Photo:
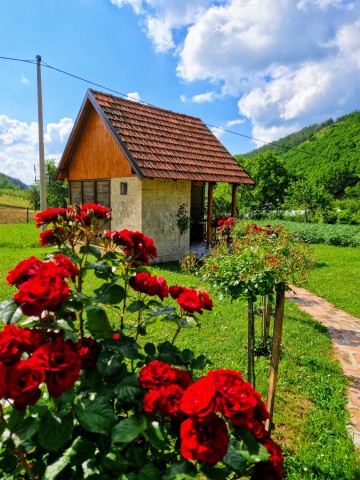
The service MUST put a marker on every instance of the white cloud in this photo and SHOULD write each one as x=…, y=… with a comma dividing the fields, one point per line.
x=135, y=4
x=204, y=97
x=24, y=80
x=232, y=123
x=289, y=63
x=183, y=98
x=19, y=145
x=161, y=17
x=135, y=96
x=218, y=132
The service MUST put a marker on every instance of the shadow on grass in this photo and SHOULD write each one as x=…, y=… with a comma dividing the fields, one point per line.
x=321, y=265
x=168, y=266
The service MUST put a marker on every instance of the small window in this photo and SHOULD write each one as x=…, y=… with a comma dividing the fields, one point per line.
x=123, y=188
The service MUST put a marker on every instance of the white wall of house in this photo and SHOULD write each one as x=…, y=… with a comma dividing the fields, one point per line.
x=150, y=206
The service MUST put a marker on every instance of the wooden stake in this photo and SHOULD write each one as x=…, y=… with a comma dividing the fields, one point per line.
x=266, y=316
x=210, y=214
x=251, y=341
x=275, y=355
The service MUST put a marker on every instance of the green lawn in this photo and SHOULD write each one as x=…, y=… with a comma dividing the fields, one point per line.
x=310, y=415
x=336, y=276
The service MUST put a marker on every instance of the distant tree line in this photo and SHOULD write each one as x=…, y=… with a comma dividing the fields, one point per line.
x=317, y=173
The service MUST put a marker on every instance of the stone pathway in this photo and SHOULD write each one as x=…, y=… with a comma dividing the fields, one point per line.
x=344, y=330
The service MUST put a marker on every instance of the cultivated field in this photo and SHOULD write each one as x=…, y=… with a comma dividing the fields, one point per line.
x=12, y=215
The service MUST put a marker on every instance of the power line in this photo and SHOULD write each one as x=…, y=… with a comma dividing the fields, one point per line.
x=151, y=105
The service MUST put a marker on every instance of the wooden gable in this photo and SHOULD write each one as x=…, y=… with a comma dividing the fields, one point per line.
x=96, y=153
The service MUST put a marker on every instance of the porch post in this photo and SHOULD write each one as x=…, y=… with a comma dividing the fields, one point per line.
x=233, y=200
x=209, y=213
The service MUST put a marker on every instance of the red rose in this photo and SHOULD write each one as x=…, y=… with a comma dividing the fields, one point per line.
x=52, y=215
x=199, y=398
x=11, y=346
x=24, y=379
x=61, y=363
x=41, y=293
x=134, y=244
x=166, y=400
x=170, y=400
x=206, y=440
x=256, y=427
x=273, y=468
x=151, y=285
x=151, y=401
x=50, y=236
x=156, y=374
x=66, y=267
x=89, y=350
x=96, y=210
x=191, y=301
x=3, y=383
x=176, y=291
x=31, y=338
x=182, y=378
x=207, y=303
x=237, y=399
x=20, y=273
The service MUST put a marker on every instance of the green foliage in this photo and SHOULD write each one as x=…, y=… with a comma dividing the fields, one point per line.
x=221, y=200
x=325, y=154
x=343, y=235
x=182, y=219
x=305, y=195
x=311, y=402
x=82, y=408
x=271, y=178
x=258, y=262
x=56, y=190
x=10, y=183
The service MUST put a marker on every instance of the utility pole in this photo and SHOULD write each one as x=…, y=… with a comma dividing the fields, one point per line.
x=41, y=138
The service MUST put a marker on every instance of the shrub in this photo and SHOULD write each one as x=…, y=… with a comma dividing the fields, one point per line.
x=84, y=398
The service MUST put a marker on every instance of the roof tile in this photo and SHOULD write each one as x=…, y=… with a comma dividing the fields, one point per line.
x=172, y=145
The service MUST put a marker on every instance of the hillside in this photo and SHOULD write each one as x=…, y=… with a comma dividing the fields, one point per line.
x=326, y=154
x=11, y=183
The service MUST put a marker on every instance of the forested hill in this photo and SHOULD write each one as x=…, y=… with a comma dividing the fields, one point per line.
x=11, y=183
x=326, y=154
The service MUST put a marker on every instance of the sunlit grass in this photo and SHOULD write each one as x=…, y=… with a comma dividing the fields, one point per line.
x=336, y=276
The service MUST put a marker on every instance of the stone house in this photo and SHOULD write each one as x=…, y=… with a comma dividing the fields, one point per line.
x=143, y=162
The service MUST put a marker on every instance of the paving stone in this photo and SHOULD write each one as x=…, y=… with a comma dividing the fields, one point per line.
x=344, y=330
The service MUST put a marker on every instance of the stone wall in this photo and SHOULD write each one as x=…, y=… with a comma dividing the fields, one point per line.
x=150, y=206
x=126, y=209
x=161, y=201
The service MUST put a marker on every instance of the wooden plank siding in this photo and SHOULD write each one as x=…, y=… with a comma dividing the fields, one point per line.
x=97, y=155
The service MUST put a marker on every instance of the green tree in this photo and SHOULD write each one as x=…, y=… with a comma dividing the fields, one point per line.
x=272, y=179
x=307, y=196
x=56, y=191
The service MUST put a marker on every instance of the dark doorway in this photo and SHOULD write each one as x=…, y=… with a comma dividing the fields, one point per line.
x=197, y=228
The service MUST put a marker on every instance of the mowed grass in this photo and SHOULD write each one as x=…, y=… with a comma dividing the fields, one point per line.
x=310, y=416
x=336, y=276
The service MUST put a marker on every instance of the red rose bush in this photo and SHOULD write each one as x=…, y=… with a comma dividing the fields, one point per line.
x=84, y=395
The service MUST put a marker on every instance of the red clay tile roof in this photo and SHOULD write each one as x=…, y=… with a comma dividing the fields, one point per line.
x=164, y=144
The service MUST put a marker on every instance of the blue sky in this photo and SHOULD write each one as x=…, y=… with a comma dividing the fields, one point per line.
x=262, y=68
